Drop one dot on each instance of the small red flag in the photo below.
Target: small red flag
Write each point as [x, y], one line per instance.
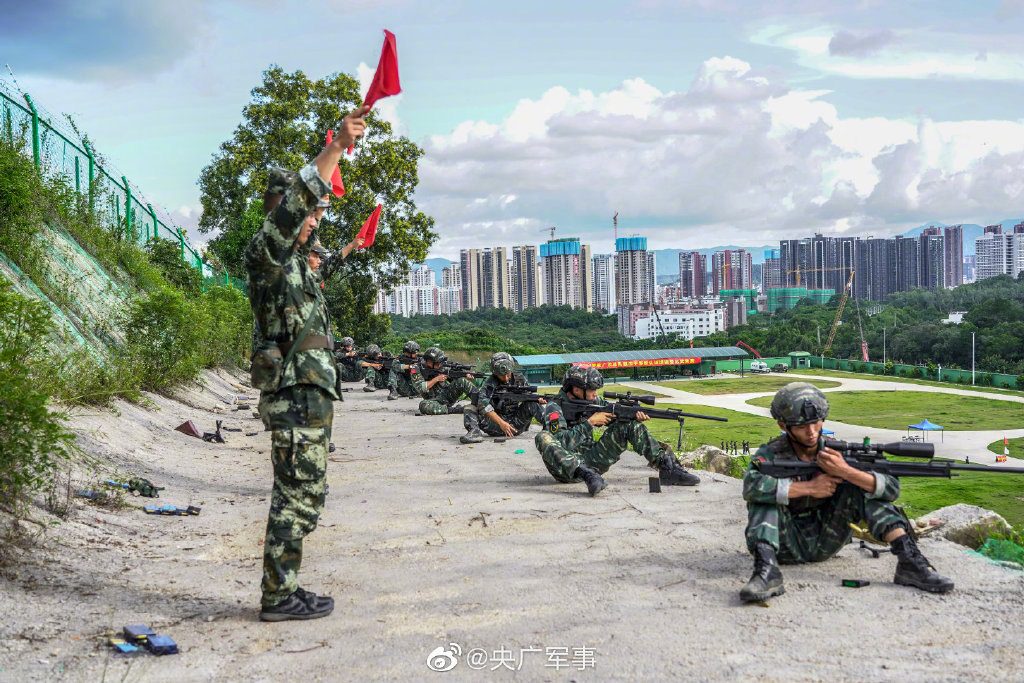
[369, 229]
[385, 80]
[336, 185]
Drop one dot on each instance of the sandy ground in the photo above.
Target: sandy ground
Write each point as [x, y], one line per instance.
[426, 543]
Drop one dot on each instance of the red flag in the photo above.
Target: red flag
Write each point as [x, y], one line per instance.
[1005, 441]
[369, 229]
[385, 79]
[336, 185]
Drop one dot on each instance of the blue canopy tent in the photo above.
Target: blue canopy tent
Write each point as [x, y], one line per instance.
[926, 426]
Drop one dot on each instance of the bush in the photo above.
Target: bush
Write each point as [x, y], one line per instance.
[33, 440]
[166, 338]
[1020, 381]
[916, 373]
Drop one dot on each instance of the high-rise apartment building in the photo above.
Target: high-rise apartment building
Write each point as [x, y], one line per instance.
[652, 275]
[470, 269]
[525, 278]
[632, 281]
[907, 264]
[604, 283]
[567, 273]
[731, 269]
[931, 259]
[423, 276]
[953, 255]
[693, 267]
[999, 254]
[452, 276]
[771, 270]
[494, 277]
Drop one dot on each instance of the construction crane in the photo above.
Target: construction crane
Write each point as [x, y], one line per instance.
[551, 229]
[749, 347]
[839, 314]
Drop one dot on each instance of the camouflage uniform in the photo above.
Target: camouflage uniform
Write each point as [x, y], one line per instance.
[375, 377]
[566, 447]
[519, 414]
[352, 371]
[808, 529]
[438, 398]
[404, 381]
[284, 294]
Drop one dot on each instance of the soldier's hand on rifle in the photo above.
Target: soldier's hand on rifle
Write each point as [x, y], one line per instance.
[822, 485]
[642, 417]
[470, 377]
[832, 462]
[541, 402]
[600, 419]
[507, 429]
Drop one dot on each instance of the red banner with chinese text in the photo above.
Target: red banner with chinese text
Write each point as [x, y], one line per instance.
[638, 363]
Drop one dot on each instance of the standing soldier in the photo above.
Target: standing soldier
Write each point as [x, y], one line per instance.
[440, 393]
[298, 389]
[487, 415]
[404, 371]
[807, 519]
[570, 452]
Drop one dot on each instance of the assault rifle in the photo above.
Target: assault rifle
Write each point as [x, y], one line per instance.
[870, 457]
[351, 361]
[448, 368]
[626, 409]
[522, 393]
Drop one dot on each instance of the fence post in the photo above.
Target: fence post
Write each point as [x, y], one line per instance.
[92, 171]
[181, 236]
[153, 214]
[78, 179]
[35, 131]
[127, 205]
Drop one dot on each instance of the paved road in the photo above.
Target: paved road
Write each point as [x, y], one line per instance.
[959, 445]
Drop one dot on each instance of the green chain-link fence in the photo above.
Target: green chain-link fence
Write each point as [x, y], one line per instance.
[59, 151]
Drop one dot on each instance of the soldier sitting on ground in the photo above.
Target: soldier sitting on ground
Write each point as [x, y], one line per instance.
[440, 394]
[352, 369]
[807, 519]
[375, 374]
[494, 417]
[571, 453]
[405, 374]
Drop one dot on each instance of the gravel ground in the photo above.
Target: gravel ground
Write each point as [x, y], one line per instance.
[428, 544]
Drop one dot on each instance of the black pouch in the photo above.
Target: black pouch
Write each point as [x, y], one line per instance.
[267, 366]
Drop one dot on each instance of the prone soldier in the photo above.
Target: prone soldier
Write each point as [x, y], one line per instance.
[807, 518]
[440, 394]
[491, 415]
[570, 452]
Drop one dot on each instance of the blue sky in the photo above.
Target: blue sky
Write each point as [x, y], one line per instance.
[702, 122]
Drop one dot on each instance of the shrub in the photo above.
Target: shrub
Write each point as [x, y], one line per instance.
[916, 373]
[166, 338]
[33, 439]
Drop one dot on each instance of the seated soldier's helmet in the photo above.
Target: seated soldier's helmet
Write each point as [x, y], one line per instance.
[799, 403]
[348, 341]
[501, 363]
[372, 350]
[433, 354]
[411, 347]
[583, 377]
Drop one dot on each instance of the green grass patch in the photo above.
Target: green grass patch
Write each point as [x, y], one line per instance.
[897, 409]
[844, 374]
[740, 427]
[1016, 448]
[748, 384]
[1002, 493]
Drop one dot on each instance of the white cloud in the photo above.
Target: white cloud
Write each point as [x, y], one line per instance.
[738, 157]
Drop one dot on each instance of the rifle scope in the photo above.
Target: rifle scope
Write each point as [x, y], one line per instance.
[906, 450]
[646, 399]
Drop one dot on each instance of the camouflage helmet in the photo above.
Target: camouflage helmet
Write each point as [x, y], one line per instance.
[410, 347]
[372, 350]
[434, 354]
[501, 363]
[799, 403]
[348, 341]
[278, 180]
[584, 377]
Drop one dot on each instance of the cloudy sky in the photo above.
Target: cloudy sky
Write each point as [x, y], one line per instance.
[702, 122]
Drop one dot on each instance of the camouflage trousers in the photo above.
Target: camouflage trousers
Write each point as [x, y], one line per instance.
[817, 534]
[300, 419]
[378, 379]
[600, 455]
[445, 397]
[401, 383]
[520, 419]
[352, 373]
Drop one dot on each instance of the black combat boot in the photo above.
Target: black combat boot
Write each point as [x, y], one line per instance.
[671, 473]
[474, 435]
[456, 409]
[914, 569]
[298, 606]
[766, 580]
[369, 386]
[393, 394]
[594, 481]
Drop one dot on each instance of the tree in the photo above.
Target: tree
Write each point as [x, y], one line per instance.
[285, 125]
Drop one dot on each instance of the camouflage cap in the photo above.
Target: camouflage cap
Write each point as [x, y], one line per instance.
[348, 341]
[319, 248]
[372, 350]
[501, 363]
[799, 403]
[411, 347]
[584, 377]
[434, 354]
[323, 203]
[279, 179]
